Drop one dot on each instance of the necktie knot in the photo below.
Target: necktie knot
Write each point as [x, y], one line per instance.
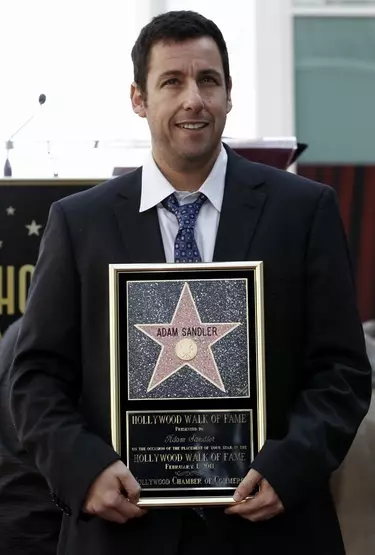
[186, 214]
[186, 249]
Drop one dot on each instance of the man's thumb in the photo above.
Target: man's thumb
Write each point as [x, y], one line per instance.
[130, 485]
[247, 485]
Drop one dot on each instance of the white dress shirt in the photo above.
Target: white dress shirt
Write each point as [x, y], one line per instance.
[155, 188]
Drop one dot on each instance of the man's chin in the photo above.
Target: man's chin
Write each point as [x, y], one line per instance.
[197, 154]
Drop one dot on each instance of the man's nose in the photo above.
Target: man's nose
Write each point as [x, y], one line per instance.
[192, 98]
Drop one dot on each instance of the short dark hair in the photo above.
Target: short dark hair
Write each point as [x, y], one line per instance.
[175, 26]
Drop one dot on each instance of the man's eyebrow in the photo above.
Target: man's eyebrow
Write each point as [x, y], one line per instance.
[178, 73]
[169, 73]
[212, 72]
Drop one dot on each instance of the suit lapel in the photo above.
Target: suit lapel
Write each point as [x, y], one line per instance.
[241, 211]
[140, 231]
[240, 215]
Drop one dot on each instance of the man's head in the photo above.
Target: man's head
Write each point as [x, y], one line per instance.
[182, 86]
[175, 27]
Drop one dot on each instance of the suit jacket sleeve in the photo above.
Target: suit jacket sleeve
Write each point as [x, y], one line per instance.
[7, 347]
[46, 375]
[336, 374]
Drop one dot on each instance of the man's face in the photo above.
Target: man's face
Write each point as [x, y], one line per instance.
[187, 101]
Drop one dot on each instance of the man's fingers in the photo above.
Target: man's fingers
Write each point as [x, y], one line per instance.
[254, 513]
[247, 485]
[251, 506]
[247, 507]
[128, 509]
[115, 507]
[107, 508]
[114, 494]
[263, 506]
[264, 513]
[113, 516]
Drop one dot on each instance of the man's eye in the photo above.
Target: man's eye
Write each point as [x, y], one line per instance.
[172, 81]
[208, 80]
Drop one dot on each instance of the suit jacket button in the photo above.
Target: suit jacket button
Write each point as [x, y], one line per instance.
[67, 510]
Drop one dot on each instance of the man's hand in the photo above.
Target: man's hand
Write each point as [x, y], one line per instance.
[264, 505]
[114, 495]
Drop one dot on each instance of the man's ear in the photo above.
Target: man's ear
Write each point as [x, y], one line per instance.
[138, 102]
[229, 96]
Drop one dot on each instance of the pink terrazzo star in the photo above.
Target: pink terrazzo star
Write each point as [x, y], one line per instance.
[186, 341]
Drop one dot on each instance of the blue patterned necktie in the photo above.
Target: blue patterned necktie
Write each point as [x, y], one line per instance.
[185, 246]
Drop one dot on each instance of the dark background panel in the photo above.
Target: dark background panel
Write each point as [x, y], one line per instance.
[18, 250]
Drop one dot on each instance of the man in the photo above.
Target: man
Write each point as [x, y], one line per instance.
[318, 377]
[29, 521]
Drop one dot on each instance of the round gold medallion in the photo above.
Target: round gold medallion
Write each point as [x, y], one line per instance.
[186, 349]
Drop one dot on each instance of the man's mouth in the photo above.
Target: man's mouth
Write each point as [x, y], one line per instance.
[192, 126]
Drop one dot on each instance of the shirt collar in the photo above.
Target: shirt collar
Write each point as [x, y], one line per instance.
[156, 187]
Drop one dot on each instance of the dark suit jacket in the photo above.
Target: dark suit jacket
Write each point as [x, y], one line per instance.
[318, 376]
[29, 521]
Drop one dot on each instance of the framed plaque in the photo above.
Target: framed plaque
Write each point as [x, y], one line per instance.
[187, 377]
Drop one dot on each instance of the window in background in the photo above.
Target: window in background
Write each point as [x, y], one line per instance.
[335, 88]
